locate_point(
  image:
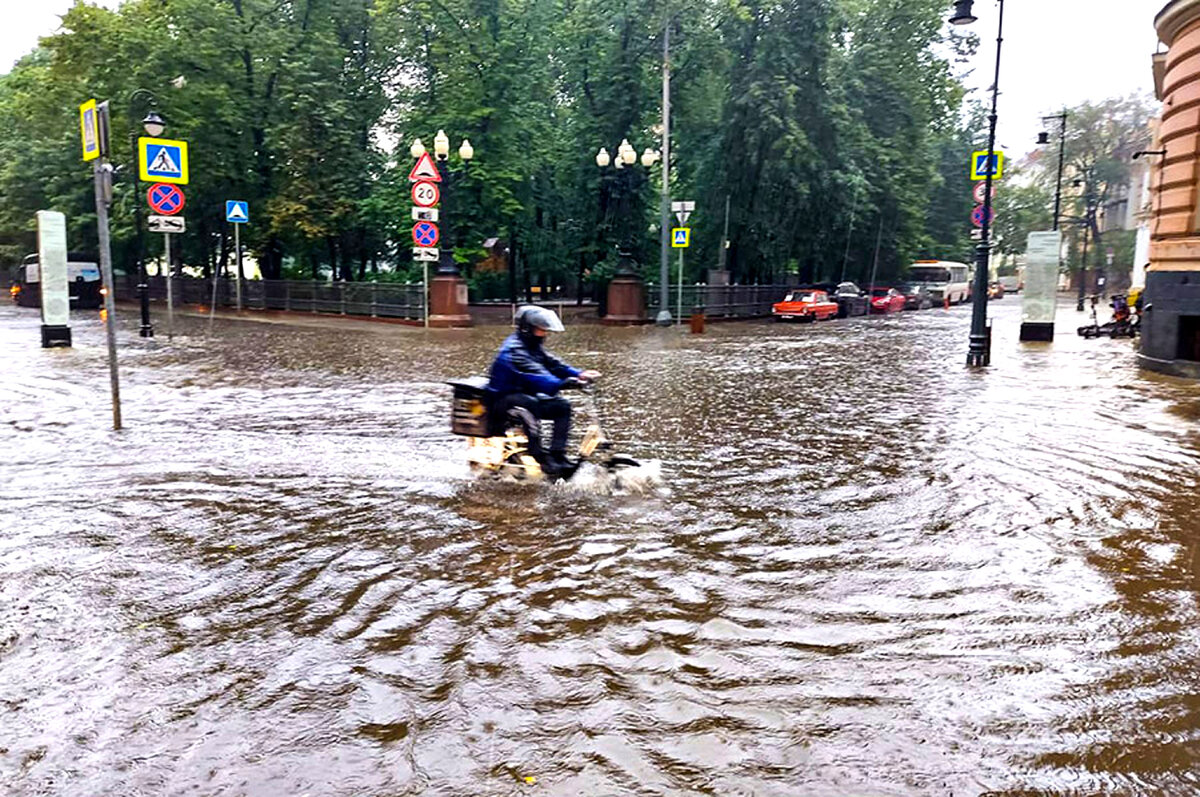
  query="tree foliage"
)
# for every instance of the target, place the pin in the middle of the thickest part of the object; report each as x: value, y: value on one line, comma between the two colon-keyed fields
x: 826, y: 123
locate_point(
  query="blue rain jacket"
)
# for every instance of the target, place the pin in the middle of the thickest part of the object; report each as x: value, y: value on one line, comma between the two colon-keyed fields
x: 520, y: 368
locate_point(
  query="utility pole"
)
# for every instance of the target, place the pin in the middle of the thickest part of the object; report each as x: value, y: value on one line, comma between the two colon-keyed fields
x: 664, y: 313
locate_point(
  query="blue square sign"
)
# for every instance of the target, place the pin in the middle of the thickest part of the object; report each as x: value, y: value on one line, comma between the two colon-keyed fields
x: 163, y: 160
x: 237, y: 212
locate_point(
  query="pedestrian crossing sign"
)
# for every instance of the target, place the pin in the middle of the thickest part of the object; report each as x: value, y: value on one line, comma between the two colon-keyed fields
x: 163, y: 160
x: 981, y: 164
x: 681, y: 237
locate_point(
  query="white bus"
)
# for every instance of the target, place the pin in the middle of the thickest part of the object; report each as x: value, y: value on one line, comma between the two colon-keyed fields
x: 943, y: 279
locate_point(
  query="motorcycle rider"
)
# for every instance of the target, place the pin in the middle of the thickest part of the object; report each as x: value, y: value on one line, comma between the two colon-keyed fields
x: 523, y: 386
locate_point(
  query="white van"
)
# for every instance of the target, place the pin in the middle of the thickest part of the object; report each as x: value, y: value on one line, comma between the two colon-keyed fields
x: 942, y: 278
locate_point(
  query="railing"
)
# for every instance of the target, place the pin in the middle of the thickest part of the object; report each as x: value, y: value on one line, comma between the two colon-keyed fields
x: 375, y: 299
x: 719, y: 301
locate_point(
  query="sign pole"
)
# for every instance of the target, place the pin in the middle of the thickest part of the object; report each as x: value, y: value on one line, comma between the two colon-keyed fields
x: 170, y: 290
x: 237, y: 245
x: 212, y: 307
x: 679, y: 292
x: 101, y: 176
x: 425, y: 292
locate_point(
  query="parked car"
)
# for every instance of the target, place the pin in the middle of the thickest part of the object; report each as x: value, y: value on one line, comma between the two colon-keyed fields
x: 916, y: 296
x: 805, y: 304
x: 1011, y: 283
x: 886, y: 300
x: 852, y: 300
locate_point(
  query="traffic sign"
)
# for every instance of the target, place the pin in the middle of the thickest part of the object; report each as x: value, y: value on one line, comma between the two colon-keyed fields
x: 236, y: 211
x: 425, y: 254
x: 165, y: 199
x: 683, y: 210
x: 977, y: 216
x: 976, y: 235
x: 981, y: 164
x: 424, y: 214
x: 425, y: 194
x: 89, y: 129
x: 425, y: 234
x: 681, y: 237
x: 163, y: 160
x: 980, y: 191
x: 167, y: 224
x: 425, y: 170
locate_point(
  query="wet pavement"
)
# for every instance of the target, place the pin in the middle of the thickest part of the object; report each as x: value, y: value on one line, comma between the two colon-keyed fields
x: 868, y: 572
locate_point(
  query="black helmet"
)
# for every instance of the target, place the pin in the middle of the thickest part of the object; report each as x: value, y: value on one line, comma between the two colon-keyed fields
x: 532, y: 317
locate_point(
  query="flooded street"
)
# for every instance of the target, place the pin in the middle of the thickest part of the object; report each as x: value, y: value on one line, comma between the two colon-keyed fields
x: 868, y: 570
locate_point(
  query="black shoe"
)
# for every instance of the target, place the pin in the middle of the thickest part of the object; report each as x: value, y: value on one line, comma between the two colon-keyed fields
x: 560, y: 466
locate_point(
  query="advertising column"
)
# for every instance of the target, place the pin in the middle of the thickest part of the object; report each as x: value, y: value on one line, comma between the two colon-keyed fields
x: 1041, y: 285
x: 52, y: 270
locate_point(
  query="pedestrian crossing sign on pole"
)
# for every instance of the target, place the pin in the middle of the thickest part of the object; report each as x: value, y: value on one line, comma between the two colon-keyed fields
x: 681, y: 237
x: 163, y: 160
x: 981, y: 164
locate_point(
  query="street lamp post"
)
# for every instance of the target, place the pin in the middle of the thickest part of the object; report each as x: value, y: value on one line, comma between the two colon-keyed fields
x: 978, y: 354
x: 625, y: 295
x: 154, y: 125
x: 1044, y: 138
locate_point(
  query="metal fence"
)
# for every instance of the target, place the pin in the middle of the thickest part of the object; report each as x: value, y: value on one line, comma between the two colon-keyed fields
x: 375, y: 299
x: 718, y: 301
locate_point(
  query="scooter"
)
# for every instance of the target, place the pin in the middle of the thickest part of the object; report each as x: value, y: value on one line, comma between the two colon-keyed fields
x: 1122, y: 324
x: 506, y: 455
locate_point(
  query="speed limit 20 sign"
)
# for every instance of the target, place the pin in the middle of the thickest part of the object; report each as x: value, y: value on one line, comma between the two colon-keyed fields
x: 425, y: 194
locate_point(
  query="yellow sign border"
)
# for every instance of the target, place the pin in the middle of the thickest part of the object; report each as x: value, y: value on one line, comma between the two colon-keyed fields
x: 90, y: 105
x: 999, y: 165
x: 143, y: 143
x: 687, y: 237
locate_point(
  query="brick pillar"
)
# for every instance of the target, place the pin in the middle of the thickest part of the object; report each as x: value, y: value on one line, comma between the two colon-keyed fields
x: 448, y: 302
x: 626, y: 301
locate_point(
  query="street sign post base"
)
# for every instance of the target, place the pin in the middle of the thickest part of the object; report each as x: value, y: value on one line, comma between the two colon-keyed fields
x: 1032, y: 331
x: 448, y: 302
x: 625, y: 302
x: 663, y: 319
x: 54, y: 336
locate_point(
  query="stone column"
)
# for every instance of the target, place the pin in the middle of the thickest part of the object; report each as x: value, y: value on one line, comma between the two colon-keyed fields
x: 1171, y: 322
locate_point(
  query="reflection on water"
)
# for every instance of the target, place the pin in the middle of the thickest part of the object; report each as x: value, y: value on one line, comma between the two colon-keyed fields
x: 869, y: 571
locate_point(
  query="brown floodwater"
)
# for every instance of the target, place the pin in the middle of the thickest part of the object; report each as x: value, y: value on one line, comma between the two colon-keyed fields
x: 867, y: 571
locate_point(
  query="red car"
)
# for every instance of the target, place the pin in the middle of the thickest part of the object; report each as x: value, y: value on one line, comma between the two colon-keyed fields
x: 886, y: 300
x: 805, y: 305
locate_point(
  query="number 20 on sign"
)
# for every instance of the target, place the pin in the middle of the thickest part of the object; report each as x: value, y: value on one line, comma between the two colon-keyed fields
x: 425, y: 194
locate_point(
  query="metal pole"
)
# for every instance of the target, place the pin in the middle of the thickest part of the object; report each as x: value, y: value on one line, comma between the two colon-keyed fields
x: 724, y: 238
x: 849, y: 232
x: 1062, y: 151
x: 170, y: 288
x: 679, y: 292
x: 977, y: 353
x: 664, y: 313
x: 875, y: 263
x: 100, y: 175
x: 425, y: 292
x: 212, y: 307
x: 237, y: 244
x: 147, y: 329
x: 1087, y: 229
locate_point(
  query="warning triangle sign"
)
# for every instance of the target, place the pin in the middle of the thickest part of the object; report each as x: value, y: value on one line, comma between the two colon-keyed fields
x: 425, y: 170
x: 164, y: 164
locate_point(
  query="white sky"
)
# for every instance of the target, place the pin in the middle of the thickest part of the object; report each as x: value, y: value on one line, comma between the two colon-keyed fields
x: 1056, y: 52
x: 1060, y: 52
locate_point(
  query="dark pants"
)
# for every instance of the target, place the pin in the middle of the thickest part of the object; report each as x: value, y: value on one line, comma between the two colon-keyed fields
x: 521, y: 409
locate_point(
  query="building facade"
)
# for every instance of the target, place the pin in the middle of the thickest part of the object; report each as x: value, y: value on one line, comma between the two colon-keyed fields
x: 1171, y: 322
